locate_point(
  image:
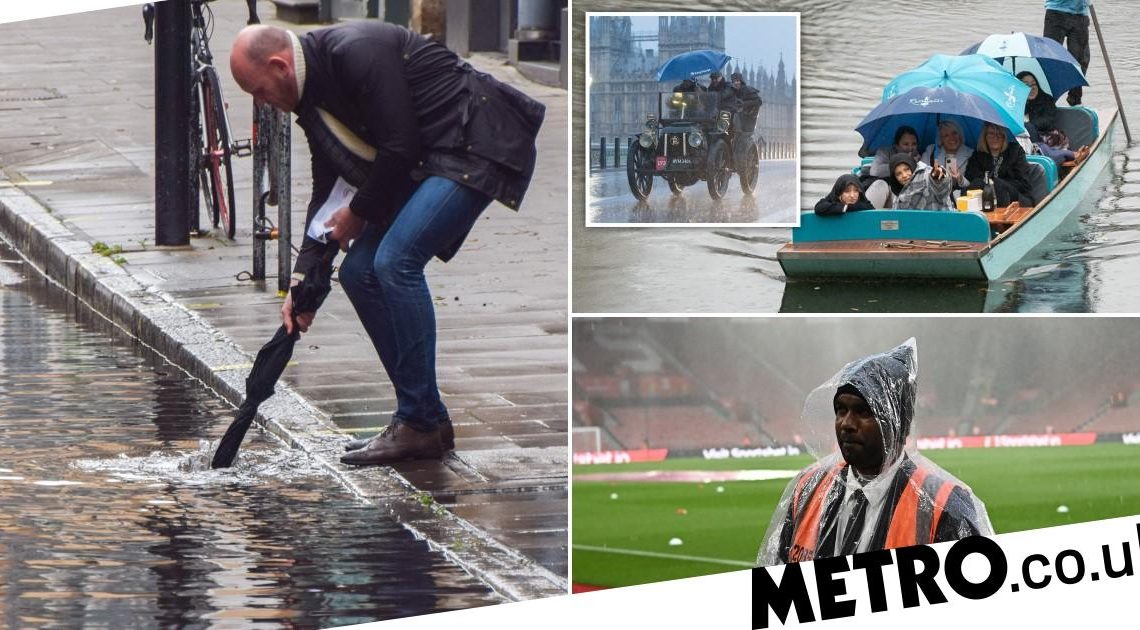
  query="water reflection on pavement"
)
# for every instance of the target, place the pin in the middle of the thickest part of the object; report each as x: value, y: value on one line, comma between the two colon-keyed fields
x: 111, y: 519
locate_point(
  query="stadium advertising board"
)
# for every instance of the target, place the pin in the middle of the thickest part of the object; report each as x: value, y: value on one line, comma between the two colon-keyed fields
x: 1007, y: 441
x: 749, y: 453
x: 622, y: 457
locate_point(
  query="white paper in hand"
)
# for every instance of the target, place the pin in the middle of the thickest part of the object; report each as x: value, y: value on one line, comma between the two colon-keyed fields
x: 340, y: 197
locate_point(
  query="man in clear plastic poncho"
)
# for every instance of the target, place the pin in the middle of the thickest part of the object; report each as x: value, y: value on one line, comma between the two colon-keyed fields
x: 874, y: 492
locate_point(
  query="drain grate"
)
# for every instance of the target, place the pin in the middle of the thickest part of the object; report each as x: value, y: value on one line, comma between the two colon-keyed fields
x: 29, y: 94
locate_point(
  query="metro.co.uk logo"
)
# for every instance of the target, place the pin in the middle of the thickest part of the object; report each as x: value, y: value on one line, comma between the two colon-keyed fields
x: 909, y: 575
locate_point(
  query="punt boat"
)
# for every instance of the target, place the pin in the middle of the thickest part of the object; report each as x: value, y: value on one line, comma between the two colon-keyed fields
x: 883, y: 244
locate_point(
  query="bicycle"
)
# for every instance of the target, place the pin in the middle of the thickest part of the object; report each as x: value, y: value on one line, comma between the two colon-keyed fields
x: 211, y: 143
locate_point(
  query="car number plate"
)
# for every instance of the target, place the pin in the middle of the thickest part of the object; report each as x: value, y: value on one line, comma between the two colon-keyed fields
x: 682, y: 162
x: 661, y: 161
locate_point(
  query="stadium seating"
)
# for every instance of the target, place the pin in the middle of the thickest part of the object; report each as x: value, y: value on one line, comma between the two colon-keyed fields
x: 679, y: 427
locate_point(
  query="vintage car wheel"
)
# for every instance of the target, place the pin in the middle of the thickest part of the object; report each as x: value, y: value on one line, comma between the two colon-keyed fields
x: 640, y: 184
x: 674, y: 186
x: 718, y: 174
x: 749, y: 169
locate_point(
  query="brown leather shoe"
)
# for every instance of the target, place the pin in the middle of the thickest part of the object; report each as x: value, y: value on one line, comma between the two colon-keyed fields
x: 446, y: 438
x: 398, y: 442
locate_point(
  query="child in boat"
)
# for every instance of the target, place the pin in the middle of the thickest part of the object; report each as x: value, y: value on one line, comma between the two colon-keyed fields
x: 914, y: 185
x: 845, y: 196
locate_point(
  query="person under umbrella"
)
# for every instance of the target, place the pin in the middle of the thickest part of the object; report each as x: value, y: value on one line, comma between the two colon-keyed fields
x: 913, y: 185
x: 308, y: 296
x: 1040, y: 122
x: 1005, y: 162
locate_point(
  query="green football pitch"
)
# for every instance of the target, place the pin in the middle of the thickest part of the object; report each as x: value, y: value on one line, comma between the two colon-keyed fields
x: 627, y: 532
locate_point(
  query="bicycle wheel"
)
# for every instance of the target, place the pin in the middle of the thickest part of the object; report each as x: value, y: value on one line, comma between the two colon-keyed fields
x: 217, y: 155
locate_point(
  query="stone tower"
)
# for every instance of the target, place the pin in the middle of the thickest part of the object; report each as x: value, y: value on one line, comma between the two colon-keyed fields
x: 681, y: 33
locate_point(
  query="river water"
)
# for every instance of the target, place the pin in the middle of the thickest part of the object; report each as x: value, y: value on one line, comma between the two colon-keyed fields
x: 849, y: 51
x: 111, y: 517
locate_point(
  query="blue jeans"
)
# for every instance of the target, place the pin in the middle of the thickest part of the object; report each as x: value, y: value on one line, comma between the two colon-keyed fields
x: 383, y: 275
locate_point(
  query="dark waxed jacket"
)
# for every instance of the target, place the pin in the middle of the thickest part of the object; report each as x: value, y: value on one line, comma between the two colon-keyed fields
x: 832, y: 204
x: 1013, y: 173
x: 424, y: 110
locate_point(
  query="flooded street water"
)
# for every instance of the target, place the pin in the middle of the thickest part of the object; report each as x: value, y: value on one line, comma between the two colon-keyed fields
x: 849, y: 52
x: 111, y: 518
x: 612, y: 203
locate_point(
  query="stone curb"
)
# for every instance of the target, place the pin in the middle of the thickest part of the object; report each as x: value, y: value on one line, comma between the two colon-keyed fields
x: 185, y: 339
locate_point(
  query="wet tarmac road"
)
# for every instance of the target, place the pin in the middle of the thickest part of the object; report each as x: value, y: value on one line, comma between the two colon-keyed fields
x: 611, y: 202
x: 111, y: 518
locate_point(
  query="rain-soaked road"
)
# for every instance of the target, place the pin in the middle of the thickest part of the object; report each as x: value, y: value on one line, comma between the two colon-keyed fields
x: 611, y: 202
x: 111, y: 519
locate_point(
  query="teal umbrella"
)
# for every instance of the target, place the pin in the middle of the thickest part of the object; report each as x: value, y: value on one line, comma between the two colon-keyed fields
x: 970, y: 74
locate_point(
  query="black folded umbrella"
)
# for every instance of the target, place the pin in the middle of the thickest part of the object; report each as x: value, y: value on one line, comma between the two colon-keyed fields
x: 273, y: 357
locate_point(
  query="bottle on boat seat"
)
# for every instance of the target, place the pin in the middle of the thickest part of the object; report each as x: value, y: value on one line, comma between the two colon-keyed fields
x: 989, y: 196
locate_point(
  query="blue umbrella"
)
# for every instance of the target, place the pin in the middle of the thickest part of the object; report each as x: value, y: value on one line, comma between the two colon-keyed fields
x: 1056, y: 70
x: 923, y: 108
x: 970, y: 74
x: 692, y: 64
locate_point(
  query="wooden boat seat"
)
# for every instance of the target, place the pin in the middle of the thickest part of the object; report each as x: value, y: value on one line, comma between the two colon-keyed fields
x: 1001, y: 219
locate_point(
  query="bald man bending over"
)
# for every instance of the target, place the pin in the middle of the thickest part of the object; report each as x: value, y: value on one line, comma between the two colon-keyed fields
x: 428, y: 142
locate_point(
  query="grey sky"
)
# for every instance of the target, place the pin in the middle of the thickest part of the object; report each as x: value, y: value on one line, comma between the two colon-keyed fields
x: 751, y: 40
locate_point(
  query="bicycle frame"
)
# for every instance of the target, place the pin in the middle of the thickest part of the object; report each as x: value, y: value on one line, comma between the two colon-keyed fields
x: 202, y: 58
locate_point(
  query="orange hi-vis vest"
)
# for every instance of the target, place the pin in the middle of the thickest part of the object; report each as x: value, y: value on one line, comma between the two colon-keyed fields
x: 915, y: 519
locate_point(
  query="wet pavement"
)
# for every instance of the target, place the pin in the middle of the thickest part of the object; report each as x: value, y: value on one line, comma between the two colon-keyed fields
x: 112, y: 518
x: 773, y: 202
x: 77, y: 162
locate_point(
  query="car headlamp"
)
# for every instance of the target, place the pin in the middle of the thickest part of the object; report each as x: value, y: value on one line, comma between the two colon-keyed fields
x: 724, y: 121
x: 696, y: 139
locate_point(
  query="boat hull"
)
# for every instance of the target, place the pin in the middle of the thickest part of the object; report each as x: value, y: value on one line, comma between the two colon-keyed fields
x: 888, y: 244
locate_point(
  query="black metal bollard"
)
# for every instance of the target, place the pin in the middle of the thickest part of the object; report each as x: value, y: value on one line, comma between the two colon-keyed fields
x: 602, y: 152
x: 172, y: 161
x: 617, y: 152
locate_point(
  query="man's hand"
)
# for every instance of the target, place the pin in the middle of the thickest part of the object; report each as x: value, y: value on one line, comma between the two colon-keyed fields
x: 304, y: 320
x: 345, y: 227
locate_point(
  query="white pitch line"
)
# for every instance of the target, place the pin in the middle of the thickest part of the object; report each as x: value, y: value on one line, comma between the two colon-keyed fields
x: 667, y: 556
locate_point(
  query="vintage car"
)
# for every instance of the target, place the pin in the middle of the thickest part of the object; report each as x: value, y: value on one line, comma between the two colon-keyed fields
x: 691, y: 138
